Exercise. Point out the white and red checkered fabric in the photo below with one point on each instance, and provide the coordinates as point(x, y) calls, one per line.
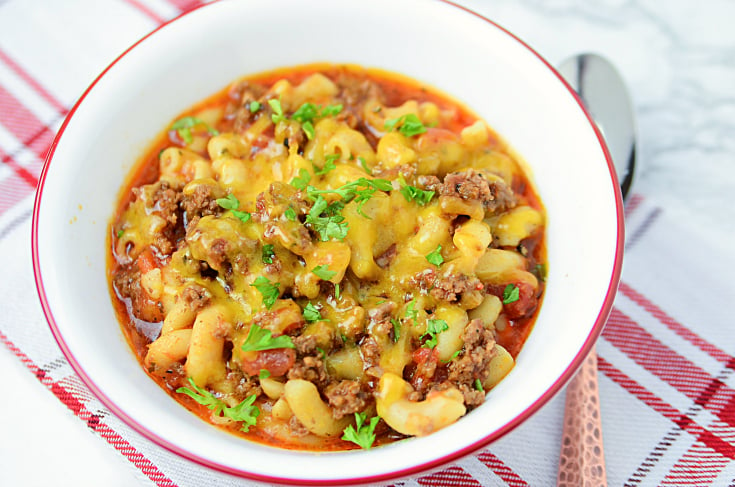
point(666, 357)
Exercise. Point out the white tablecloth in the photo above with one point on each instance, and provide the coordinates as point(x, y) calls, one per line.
point(666, 356)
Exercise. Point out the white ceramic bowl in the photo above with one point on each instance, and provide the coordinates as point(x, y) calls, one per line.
point(454, 50)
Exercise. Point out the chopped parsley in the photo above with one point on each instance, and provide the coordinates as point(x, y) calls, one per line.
point(244, 412)
point(261, 339)
point(254, 106)
point(478, 385)
point(412, 193)
point(264, 374)
point(435, 256)
point(277, 115)
point(433, 328)
point(230, 202)
point(328, 165)
point(302, 180)
point(267, 289)
point(336, 291)
point(364, 165)
point(511, 294)
point(359, 190)
point(290, 213)
point(408, 124)
point(327, 220)
point(323, 272)
point(411, 312)
point(454, 355)
point(268, 254)
point(311, 313)
point(396, 329)
point(307, 113)
point(120, 233)
point(184, 125)
point(363, 434)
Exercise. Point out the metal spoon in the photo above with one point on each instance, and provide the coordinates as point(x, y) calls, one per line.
point(604, 94)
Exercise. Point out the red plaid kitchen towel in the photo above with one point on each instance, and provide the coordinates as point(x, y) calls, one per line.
point(666, 357)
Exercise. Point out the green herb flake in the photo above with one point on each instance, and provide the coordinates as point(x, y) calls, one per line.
point(411, 312)
point(120, 233)
point(184, 125)
point(478, 385)
point(311, 313)
point(244, 412)
point(277, 115)
point(290, 214)
point(268, 253)
point(408, 124)
point(264, 374)
point(230, 202)
point(511, 294)
point(323, 272)
point(364, 165)
point(302, 180)
point(412, 193)
point(435, 256)
point(254, 106)
point(336, 291)
point(433, 328)
point(328, 165)
point(261, 339)
point(268, 290)
point(454, 356)
point(396, 329)
point(363, 434)
point(332, 224)
point(321, 352)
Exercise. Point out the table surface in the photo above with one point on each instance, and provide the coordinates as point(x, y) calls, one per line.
point(678, 58)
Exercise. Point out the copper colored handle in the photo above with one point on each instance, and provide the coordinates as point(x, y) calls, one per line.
point(582, 458)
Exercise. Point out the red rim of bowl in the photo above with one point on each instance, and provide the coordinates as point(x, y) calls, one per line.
point(520, 418)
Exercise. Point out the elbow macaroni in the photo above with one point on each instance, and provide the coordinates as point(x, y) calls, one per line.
point(301, 246)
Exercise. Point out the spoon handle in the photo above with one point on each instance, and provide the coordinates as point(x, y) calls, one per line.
point(582, 458)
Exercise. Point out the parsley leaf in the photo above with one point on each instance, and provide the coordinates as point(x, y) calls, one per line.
point(454, 355)
point(261, 339)
point(230, 202)
point(311, 313)
point(277, 115)
point(244, 412)
point(290, 213)
point(184, 125)
point(364, 434)
point(323, 272)
point(478, 385)
point(268, 253)
point(511, 294)
point(120, 233)
point(364, 165)
point(435, 256)
point(308, 112)
point(360, 190)
point(264, 374)
point(328, 165)
point(254, 106)
point(336, 291)
point(268, 290)
point(433, 328)
point(408, 124)
point(412, 193)
point(332, 225)
point(396, 329)
point(302, 180)
point(411, 312)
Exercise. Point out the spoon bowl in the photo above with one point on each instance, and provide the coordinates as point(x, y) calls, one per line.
point(603, 92)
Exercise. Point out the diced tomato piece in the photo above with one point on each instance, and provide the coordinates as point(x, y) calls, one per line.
point(277, 361)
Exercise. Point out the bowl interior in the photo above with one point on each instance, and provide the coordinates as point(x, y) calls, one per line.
point(479, 64)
